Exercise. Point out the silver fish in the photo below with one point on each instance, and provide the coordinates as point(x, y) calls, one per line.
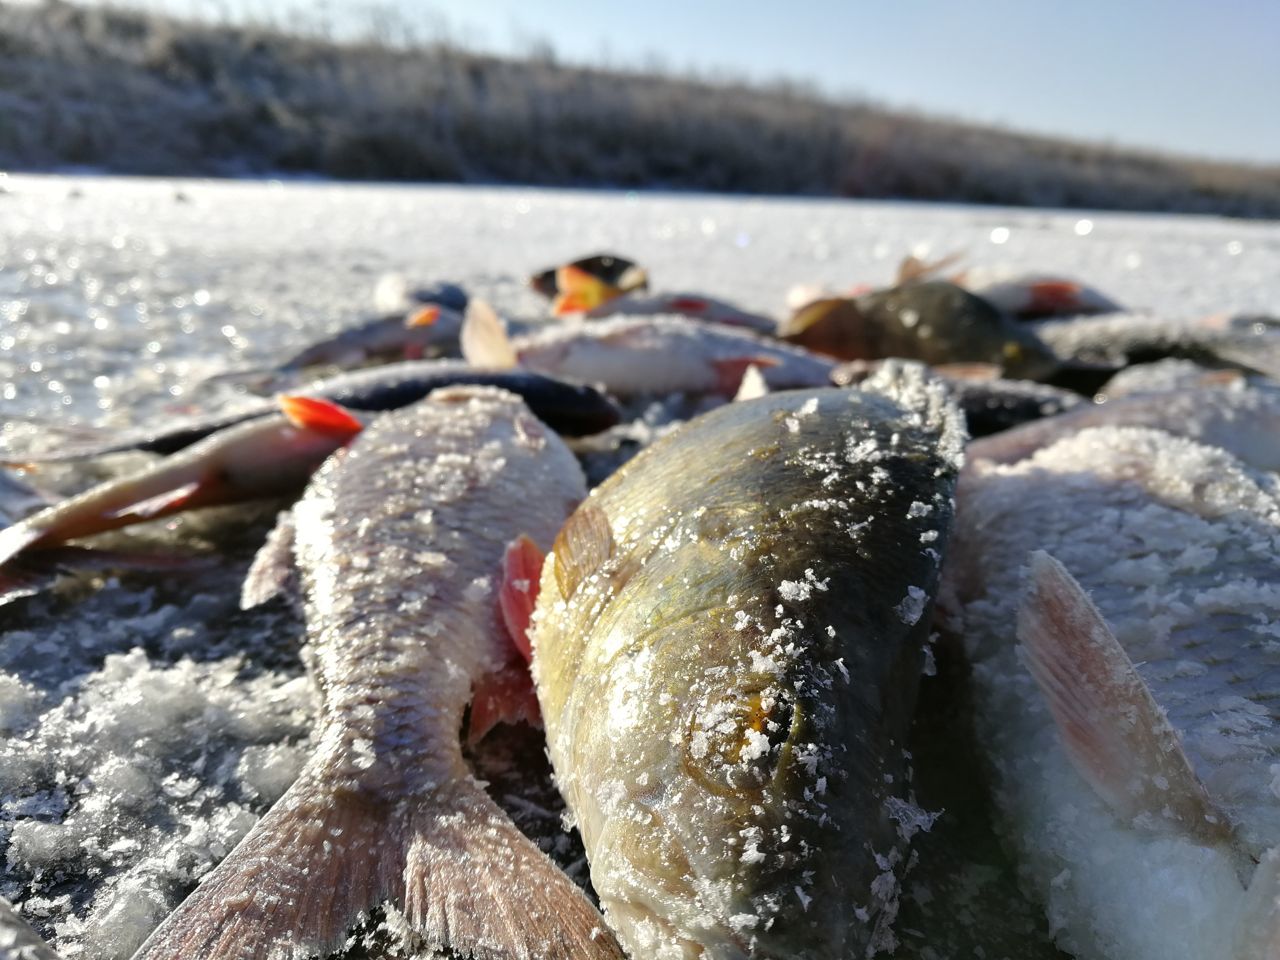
point(400, 543)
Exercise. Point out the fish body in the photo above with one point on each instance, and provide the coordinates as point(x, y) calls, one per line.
point(270, 456)
point(573, 409)
point(1127, 696)
point(616, 275)
point(931, 321)
point(1244, 421)
point(1041, 296)
point(726, 670)
point(400, 544)
point(693, 305)
point(427, 330)
point(634, 355)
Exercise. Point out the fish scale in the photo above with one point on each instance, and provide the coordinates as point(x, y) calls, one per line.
point(1177, 546)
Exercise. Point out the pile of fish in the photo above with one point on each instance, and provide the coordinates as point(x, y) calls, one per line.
point(713, 554)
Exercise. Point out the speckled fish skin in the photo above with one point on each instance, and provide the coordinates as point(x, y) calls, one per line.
point(1178, 546)
point(400, 544)
point(727, 688)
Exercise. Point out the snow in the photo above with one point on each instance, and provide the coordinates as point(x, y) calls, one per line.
point(147, 724)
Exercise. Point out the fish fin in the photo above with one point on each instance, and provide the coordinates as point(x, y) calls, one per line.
point(1051, 297)
point(504, 696)
point(484, 339)
point(161, 503)
point(475, 885)
point(580, 291)
point(913, 268)
point(320, 416)
point(423, 316)
point(273, 568)
point(968, 371)
point(1257, 934)
point(321, 857)
point(1117, 736)
point(521, 574)
point(753, 385)
point(731, 370)
point(809, 314)
point(583, 545)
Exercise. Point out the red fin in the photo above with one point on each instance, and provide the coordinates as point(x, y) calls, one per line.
point(1052, 296)
point(580, 291)
point(478, 887)
point(322, 416)
point(688, 304)
point(1117, 736)
point(584, 544)
point(731, 370)
point(503, 697)
point(521, 573)
point(423, 317)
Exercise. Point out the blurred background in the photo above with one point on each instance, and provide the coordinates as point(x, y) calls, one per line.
point(1144, 105)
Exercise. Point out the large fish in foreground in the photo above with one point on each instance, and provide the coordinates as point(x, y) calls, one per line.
point(400, 543)
point(727, 668)
point(1118, 594)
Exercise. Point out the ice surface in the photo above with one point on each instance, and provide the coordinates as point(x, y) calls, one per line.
point(116, 300)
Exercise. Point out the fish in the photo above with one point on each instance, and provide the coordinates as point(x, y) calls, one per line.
point(990, 403)
point(1041, 296)
point(270, 456)
point(588, 282)
point(1245, 421)
point(1118, 596)
point(400, 544)
point(694, 305)
point(573, 409)
point(630, 356)
point(932, 321)
point(726, 664)
point(427, 330)
point(1239, 343)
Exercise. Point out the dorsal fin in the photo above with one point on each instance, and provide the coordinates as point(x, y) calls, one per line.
point(584, 544)
point(484, 339)
point(753, 384)
point(320, 415)
point(1115, 733)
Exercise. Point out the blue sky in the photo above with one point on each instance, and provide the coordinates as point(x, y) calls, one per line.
point(1189, 76)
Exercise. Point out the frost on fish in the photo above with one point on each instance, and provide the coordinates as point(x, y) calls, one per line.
point(1176, 544)
point(727, 679)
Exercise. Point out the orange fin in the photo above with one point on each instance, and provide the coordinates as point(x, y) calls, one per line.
point(580, 291)
point(322, 416)
point(584, 544)
point(521, 573)
point(731, 370)
point(484, 339)
point(1115, 733)
point(423, 317)
point(913, 268)
point(506, 696)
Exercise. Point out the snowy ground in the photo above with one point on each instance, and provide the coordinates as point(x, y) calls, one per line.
point(146, 725)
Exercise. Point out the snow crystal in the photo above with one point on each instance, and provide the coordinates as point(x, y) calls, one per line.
point(911, 607)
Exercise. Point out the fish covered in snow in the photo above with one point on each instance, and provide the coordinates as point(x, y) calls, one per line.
point(932, 321)
point(630, 356)
point(401, 543)
point(571, 408)
point(428, 330)
point(1118, 595)
point(727, 667)
point(266, 457)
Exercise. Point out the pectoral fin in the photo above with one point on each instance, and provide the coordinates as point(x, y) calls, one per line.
point(484, 339)
point(1117, 736)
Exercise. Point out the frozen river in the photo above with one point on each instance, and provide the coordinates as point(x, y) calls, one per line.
point(143, 727)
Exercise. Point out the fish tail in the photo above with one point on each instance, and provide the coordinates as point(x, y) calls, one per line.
point(475, 884)
point(322, 856)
